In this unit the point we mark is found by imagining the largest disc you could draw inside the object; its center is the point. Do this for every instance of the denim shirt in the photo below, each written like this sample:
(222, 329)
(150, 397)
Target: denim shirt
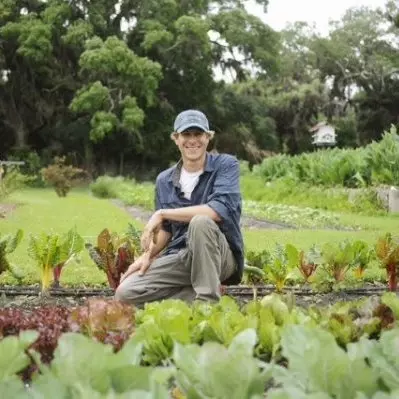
(219, 188)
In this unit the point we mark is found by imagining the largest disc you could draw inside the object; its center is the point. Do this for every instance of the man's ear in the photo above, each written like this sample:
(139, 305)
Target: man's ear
(174, 136)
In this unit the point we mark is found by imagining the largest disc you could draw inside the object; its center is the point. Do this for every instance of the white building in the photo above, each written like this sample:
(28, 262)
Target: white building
(323, 135)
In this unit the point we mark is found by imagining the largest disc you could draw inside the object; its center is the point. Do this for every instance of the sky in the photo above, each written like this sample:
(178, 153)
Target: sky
(281, 12)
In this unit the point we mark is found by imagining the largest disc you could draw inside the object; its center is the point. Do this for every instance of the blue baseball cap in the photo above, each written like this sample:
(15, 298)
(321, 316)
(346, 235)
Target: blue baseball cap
(191, 118)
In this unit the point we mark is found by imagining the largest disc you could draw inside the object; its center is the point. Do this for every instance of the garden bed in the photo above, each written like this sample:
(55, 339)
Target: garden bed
(29, 297)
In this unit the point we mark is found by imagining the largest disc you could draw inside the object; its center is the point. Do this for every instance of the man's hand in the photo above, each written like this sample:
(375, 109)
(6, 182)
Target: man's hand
(141, 264)
(151, 230)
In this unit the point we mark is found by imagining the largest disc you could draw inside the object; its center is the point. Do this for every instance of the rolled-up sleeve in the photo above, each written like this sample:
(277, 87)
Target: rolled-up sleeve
(166, 225)
(225, 197)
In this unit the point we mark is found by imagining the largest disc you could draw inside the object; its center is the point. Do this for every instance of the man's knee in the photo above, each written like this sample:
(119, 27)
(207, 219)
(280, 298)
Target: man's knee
(201, 223)
(123, 294)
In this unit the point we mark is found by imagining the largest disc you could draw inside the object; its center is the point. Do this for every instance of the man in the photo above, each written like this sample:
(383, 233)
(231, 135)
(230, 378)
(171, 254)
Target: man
(192, 243)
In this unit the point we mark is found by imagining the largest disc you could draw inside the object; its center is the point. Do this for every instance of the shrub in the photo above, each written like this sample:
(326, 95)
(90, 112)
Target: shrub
(106, 187)
(12, 180)
(62, 177)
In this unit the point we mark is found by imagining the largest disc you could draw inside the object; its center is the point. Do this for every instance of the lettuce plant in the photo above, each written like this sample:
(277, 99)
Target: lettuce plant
(214, 371)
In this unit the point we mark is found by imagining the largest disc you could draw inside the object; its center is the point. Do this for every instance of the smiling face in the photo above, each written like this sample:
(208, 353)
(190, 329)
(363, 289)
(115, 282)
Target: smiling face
(192, 144)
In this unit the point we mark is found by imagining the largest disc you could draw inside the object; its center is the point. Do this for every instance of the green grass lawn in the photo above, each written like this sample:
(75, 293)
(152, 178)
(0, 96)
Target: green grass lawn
(41, 210)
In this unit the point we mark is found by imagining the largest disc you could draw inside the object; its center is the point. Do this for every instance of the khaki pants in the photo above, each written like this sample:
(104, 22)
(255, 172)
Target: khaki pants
(193, 273)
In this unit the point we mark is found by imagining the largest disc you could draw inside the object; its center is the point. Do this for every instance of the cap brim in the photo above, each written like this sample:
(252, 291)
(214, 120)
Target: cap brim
(188, 125)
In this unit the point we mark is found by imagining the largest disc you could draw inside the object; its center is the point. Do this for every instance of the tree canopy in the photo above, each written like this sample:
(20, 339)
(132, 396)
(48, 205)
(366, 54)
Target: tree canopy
(102, 81)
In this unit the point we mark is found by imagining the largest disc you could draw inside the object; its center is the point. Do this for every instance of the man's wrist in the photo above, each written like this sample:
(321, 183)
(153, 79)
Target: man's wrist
(161, 213)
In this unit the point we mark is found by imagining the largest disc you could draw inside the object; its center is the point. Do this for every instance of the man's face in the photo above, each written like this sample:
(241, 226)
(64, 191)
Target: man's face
(192, 143)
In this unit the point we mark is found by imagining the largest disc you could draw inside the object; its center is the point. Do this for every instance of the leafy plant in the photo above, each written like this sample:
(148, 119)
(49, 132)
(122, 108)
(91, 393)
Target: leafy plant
(12, 180)
(52, 252)
(307, 262)
(282, 263)
(213, 371)
(61, 176)
(8, 244)
(336, 374)
(338, 258)
(49, 322)
(253, 269)
(113, 255)
(135, 235)
(14, 359)
(108, 321)
(387, 251)
(362, 256)
(85, 368)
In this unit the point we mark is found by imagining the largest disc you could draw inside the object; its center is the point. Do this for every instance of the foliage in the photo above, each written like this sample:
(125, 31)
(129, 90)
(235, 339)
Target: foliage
(278, 346)
(387, 251)
(12, 180)
(127, 190)
(373, 164)
(109, 322)
(8, 244)
(289, 191)
(61, 176)
(309, 262)
(49, 322)
(215, 371)
(113, 254)
(52, 252)
(291, 215)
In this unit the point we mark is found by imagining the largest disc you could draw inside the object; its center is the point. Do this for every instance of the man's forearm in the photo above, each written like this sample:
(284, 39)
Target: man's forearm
(162, 240)
(187, 213)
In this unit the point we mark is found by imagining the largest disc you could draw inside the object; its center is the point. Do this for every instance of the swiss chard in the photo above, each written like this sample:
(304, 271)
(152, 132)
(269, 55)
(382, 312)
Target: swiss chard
(362, 256)
(338, 258)
(52, 252)
(254, 269)
(282, 263)
(387, 251)
(8, 244)
(113, 255)
(308, 263)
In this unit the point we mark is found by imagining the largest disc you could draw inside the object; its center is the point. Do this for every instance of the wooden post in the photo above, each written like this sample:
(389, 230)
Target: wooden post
(393, 200)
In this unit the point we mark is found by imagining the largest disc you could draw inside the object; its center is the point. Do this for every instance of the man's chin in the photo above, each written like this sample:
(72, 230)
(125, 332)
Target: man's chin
(194, 157)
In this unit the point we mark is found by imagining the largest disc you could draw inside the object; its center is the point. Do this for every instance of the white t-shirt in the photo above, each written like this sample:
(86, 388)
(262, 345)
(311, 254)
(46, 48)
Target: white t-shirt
(188, 181)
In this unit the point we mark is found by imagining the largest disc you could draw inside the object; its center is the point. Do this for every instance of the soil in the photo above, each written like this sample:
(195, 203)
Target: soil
(30, 298)
(6, 209)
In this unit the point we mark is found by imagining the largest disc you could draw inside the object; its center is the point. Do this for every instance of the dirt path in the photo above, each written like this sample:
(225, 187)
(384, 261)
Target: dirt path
(246, 222)
(6, 209)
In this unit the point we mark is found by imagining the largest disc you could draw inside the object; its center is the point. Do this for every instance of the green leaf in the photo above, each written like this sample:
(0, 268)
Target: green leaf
(384, 358)
(13, 241)
(322, 366)
(13, 358)
(391, 300)
(212, 371)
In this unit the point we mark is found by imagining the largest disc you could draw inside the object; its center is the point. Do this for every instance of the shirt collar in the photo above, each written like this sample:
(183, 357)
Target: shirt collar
(175, 175)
